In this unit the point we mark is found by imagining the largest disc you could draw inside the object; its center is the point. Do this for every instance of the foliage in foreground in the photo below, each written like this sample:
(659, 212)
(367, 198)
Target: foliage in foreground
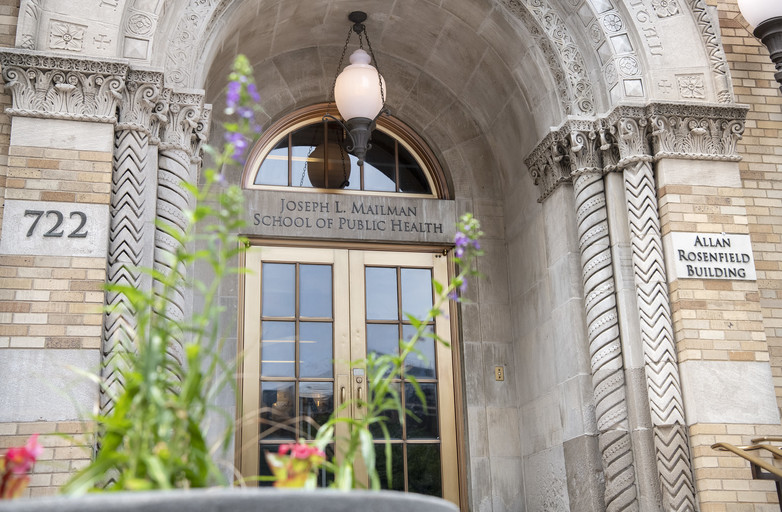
(154, 436)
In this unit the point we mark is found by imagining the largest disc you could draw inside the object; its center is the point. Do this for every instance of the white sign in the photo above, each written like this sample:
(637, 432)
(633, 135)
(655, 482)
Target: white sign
(50, 228)
(713, 256)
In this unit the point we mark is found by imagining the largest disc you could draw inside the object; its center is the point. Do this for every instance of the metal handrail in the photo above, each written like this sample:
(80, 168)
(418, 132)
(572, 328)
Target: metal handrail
(757, 464)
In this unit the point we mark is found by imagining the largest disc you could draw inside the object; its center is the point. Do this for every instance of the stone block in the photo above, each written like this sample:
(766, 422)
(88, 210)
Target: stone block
(480, 481)
(44, 385)
(503, 431)
(546, 480)
(541, 426)
(473, 372)
(477, 431)
(728, 392)
(62, 134)
(507, 485)
(584, 470)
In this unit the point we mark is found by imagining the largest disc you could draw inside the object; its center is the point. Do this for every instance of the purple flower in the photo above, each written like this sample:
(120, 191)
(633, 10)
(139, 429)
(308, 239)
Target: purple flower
(253, 92)
(233, 94)
(239, 143)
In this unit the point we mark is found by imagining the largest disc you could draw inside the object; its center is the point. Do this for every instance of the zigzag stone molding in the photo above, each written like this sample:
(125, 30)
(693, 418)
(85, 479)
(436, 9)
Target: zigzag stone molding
(126, 230)
(717, 59)
(63, 87)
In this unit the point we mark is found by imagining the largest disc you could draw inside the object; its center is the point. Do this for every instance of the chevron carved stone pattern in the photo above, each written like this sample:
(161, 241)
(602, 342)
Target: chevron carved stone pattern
(602, 317)
(125, 254)
(662, 375)
(126, 229)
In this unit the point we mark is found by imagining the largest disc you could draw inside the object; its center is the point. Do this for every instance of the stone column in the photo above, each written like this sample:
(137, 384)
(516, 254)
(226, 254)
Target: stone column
(129, 213)
(662, 377)
(573, 154)
(605, 345)
(177, 143)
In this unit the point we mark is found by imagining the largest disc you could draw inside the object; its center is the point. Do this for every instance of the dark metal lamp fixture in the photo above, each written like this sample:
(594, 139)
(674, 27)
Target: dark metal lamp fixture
(359, 91)
(766, 17)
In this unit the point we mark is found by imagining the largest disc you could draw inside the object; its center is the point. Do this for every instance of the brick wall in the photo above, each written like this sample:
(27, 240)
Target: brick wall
(749, 325)
(9, 12)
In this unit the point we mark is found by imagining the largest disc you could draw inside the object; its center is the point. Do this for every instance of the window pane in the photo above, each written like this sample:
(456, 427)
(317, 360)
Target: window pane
(315, 291)
(383, 339)
(264, 466)
(411, 177)
(278, 349)
(316, 403)
(424, 424)
(274, 170)
(304, 142)
(278, 290)
(391, 421)
(315, 349)
(397, 482)
(380, 164)
(416, 291)
(423, 469)
(278, 408)
(421, 365)
(381, 294)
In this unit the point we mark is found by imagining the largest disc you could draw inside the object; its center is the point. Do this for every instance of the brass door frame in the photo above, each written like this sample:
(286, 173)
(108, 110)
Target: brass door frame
(349, 318)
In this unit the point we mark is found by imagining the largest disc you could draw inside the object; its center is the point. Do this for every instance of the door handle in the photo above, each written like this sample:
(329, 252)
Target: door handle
(360, 392)
(342, 395)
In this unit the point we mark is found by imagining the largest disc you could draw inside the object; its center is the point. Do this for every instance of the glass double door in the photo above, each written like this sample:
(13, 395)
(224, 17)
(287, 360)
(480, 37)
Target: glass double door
(310, 312)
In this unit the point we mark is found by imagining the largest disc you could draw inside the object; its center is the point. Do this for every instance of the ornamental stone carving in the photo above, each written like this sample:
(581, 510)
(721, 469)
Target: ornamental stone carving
(62, 88)
(717, 59)
(696, 132)
(630, 139)
(142, 92)
(544, 166)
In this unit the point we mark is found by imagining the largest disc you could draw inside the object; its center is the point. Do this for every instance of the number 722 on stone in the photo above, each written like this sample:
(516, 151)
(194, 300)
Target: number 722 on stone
(59, 218)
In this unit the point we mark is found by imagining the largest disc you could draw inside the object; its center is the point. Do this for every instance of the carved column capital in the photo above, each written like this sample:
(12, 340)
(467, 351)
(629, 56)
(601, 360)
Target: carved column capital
(582, 143)
(202, 132)
(71, 88)
(696, 132)
(142, 91)
(628, 127)
(548, 164)
(183, 112)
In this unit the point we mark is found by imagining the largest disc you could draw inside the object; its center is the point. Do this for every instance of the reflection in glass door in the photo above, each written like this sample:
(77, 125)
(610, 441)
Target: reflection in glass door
(308, 313)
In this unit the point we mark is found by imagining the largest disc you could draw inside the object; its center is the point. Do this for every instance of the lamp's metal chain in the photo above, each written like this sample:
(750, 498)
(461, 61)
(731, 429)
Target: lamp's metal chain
(339, 68)
(377, 67)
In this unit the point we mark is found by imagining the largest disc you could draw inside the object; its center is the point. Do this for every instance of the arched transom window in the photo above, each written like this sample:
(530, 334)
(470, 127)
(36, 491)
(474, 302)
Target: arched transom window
(306, 152)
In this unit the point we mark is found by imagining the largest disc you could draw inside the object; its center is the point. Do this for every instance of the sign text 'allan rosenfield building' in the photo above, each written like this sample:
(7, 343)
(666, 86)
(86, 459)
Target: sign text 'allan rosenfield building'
(622, 156)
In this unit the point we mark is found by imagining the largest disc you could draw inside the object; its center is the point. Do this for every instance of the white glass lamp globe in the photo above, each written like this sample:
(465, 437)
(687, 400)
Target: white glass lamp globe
(357, 90)
(758, 11)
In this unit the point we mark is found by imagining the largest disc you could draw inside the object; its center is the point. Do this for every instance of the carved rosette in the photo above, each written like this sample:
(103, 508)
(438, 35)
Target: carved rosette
(631, 130)
(62, 87)
(183, 113)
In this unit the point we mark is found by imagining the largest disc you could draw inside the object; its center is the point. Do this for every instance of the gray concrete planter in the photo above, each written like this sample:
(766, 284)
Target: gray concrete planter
(236, 500)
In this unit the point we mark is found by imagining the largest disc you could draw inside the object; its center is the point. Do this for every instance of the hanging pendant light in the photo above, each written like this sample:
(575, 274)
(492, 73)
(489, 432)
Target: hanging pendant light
(359, 91)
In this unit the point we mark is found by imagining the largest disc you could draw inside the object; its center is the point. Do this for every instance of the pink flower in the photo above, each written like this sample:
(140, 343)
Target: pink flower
(20, 460)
